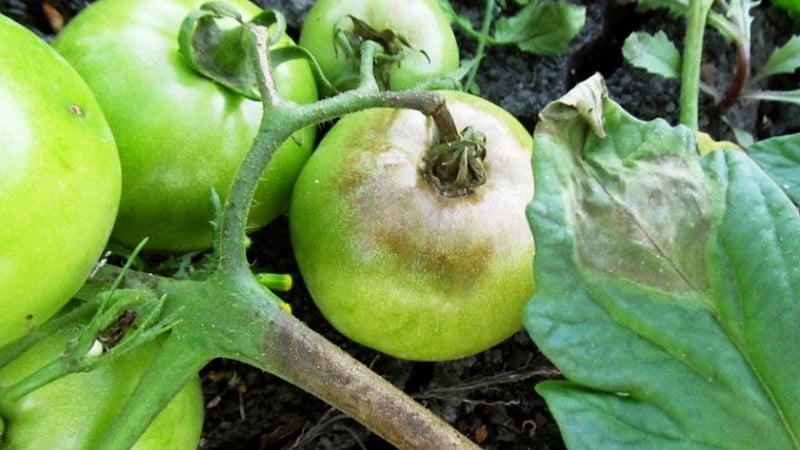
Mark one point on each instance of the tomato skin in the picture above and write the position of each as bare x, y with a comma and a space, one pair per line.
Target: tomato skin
59, 181
74, 412
180, 135
421, 22
394, 265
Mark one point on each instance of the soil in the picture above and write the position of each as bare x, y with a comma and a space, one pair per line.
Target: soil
489, 397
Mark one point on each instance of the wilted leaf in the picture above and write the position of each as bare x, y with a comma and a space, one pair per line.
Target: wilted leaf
667, 285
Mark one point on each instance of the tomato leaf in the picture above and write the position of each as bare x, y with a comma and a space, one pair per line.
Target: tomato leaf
217, 51
543, 28
785, 59
738, 11
654, 53
780, 158
211, 40
667, 285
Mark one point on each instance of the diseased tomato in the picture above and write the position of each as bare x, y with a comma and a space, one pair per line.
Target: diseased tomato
417, 31
59, 181
395, 265
179, 134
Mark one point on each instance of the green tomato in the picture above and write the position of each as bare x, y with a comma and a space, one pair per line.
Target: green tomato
392, 263
432, 50
74, 412
180, 135
59, 181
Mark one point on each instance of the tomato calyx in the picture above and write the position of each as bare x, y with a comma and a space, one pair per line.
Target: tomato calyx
111, 336
455, 167
393, 45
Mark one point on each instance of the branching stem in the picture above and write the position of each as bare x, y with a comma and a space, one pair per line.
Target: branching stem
282, 118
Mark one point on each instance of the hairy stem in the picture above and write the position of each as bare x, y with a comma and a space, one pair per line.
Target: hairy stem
235, 318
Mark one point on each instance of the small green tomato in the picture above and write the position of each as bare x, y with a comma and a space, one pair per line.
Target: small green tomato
416, 34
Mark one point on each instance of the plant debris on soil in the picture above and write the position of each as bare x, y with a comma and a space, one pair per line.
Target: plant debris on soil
489, 397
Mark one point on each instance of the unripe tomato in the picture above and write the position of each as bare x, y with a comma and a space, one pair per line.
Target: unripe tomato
73, 412
395, 265
179, 134
59, 181
417, 29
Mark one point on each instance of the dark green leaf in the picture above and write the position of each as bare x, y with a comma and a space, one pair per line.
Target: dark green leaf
780, 158
667, 285
541, 28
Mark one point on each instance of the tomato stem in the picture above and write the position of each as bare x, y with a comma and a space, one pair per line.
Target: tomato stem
51, 371
282, 118
177, 361
78, 314
331, 374
367, 80
692, 55
740, 76
483, 39
260, 45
